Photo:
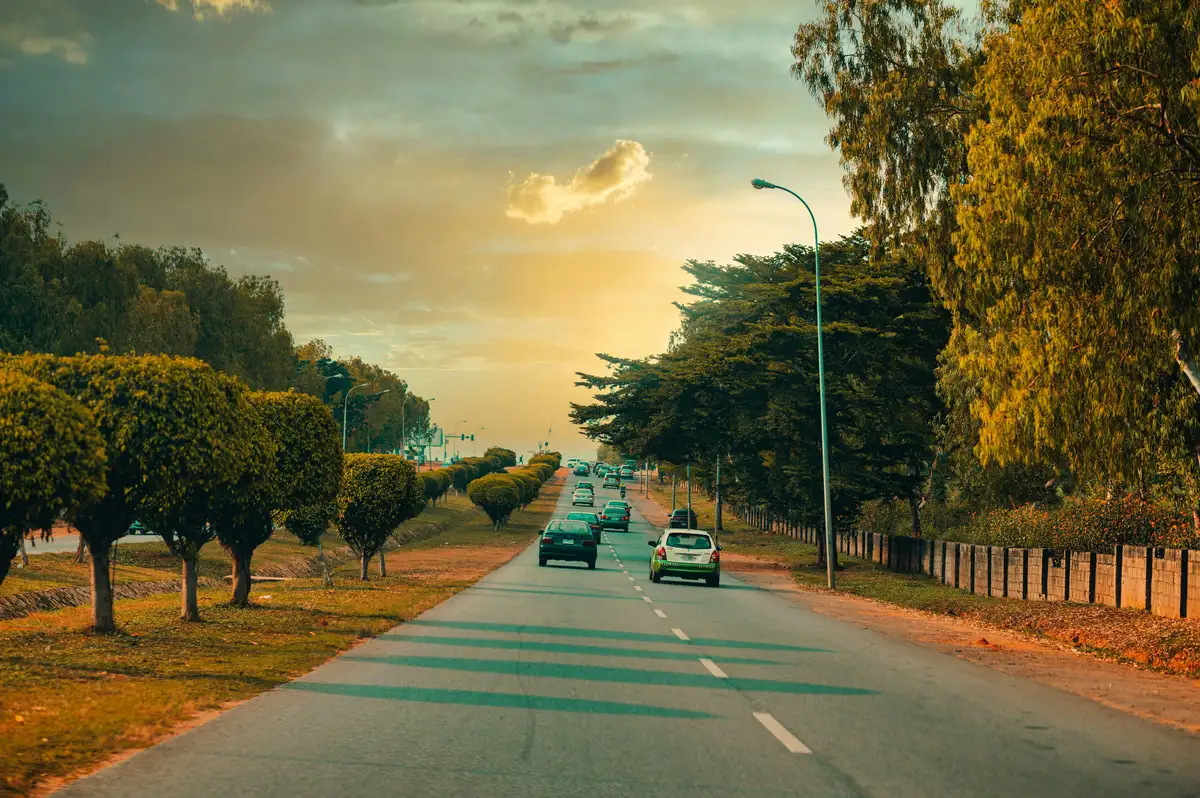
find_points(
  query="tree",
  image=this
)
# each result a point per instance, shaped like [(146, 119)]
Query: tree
[(309, 524), (51, 459), (1077, 268), (162, 423), (240, 455), (378, 493), (507, 457), (498, 495), (307, 473), (528, 486)]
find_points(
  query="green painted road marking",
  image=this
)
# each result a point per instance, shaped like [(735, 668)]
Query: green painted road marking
[(567, 648)]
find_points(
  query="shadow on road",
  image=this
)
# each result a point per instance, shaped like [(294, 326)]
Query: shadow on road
[(568, 648), (598, 673), (608, 634), (504, 700)]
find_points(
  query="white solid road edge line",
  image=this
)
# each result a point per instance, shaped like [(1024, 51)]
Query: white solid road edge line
[(679, 633), (713, 669), (660, 613), (781, 734)]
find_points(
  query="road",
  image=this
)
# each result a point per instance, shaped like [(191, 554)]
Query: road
[(560, 681)]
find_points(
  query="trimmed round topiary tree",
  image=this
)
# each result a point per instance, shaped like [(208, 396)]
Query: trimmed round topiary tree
[(51, 459), (498, 495), (378, 493)]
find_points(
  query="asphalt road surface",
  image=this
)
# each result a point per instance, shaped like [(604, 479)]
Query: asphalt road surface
[(560, 681)]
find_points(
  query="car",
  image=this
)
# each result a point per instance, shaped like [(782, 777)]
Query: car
[(685, 555), (624, 505), (582, 496), (613, 517), (680, 517), (568, 541), (591, 519), (612, 480), (626, 472), (138, 528), (631, 464), (581, 470), (585, 486)]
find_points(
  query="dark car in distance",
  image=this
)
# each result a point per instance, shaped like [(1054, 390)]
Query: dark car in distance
[(569, 541), (589, 518), (680, 519)]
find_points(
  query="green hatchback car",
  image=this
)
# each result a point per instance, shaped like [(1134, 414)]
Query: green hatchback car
[(686, 555), (570, 541)]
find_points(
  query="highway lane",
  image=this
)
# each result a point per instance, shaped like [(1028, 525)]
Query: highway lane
[(560, 681)]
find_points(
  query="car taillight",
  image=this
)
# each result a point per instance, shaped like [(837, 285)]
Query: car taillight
[(547, 539), (661, 553), (715, 556), (588, 542)]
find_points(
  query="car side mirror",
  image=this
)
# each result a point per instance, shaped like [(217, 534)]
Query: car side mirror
[(650, 543)]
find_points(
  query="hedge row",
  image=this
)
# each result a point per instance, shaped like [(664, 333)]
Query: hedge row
[(500, 495)]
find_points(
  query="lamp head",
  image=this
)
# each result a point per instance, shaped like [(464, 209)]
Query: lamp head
[(759, 183)]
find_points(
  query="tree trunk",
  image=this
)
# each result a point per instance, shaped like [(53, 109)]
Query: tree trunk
[(1187, 363), (717, 510), (189, 607), (915, 505), (102, 598), (365, 561), (326, 574), (79, 551), (821, 548), (241, 578), (382, 563), (24, 554)]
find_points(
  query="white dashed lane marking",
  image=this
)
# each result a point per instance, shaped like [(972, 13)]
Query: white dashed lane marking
[(638, 588), (713, 669), (781, 734), (679, 633), (660, 613)]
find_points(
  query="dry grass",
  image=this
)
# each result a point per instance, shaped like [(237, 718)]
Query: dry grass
[(70, 699)]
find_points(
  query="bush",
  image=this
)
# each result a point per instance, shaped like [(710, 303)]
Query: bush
[(51, 459), (378, 493), (527, 484), (498, 495), (1082, 525), (507, 457), (460, 475)]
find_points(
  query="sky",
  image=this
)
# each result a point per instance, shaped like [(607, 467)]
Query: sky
[(479, 195)]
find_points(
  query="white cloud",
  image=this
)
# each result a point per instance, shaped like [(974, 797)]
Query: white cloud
[(614, 175), (219, 7), (68, 49)]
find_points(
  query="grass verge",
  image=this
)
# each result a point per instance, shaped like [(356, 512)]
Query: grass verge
[(1163, 644), (704, 508), (70, 699)]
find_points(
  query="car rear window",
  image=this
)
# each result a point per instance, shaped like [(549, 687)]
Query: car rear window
[(585, 517), (683, 541), (567, 529)]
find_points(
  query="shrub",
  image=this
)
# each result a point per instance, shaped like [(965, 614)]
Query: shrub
[(1082, 524), (507, 457), (498, 495), (51, 459), (378, 493), (307, 472), (461, 475), (528, 486), (162, 421)]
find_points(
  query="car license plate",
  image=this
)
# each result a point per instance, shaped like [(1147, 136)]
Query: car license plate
[(567, 541), (689, 557)]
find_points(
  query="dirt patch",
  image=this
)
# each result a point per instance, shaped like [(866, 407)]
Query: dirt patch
[(1173, 700)]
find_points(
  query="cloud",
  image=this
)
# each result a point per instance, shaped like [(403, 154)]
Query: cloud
[(615, 174), (219, 7), (68, 49), (612, 65), (563, 32)]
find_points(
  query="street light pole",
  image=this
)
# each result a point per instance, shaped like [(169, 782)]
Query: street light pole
[(345, 411), (829, 571)]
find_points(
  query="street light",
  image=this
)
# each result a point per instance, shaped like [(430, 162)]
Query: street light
[(758, 183), (346, 406)]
